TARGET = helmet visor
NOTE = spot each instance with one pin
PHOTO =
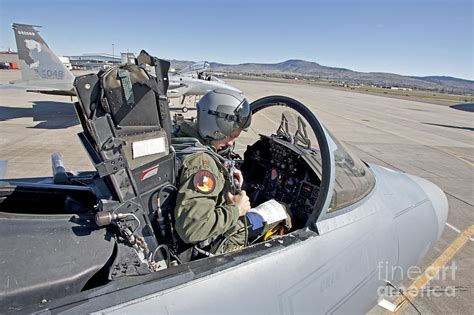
(243, 115)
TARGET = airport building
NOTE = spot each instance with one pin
(9, 59)
(94, 61)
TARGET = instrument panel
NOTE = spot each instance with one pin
(273, 169)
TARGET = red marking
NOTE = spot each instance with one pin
(149, 172)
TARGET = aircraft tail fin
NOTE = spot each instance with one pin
(39, 64)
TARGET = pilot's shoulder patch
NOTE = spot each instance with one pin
(204, 182)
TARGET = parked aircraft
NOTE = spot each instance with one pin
(352, 222)
(182, 86)
(43, 72)
(194, 80)
(194, 68)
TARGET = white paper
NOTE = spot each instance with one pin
(148, 147)
(389, 306)
(271, 211)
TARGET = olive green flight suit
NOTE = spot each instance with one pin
(203, 216)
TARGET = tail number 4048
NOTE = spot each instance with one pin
(52, 74)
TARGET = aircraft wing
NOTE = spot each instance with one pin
(176, 85)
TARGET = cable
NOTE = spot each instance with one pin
(167, 250)
(203, 252)
(176, 257)
(246, 241)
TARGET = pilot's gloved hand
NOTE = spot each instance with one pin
(241, 200)
(239, 177)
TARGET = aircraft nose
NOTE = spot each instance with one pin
(438, 200)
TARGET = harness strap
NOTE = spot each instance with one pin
(124, 76)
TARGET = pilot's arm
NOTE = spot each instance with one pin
(201, 209)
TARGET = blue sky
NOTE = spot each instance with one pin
(418, 37)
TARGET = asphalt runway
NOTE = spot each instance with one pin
(435, 142)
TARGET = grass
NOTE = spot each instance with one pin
(418, 95)
(415, 95)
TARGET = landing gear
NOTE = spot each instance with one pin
(185, 102)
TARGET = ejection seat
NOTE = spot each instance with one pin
(126, 120)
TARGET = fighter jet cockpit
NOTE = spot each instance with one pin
(289, 156)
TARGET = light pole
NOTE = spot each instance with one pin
(113, 51)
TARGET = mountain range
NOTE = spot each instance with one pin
(303, 69)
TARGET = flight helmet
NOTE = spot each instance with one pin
(220, 112)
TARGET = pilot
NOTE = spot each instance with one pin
(208, 211)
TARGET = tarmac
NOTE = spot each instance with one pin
(435, 142)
